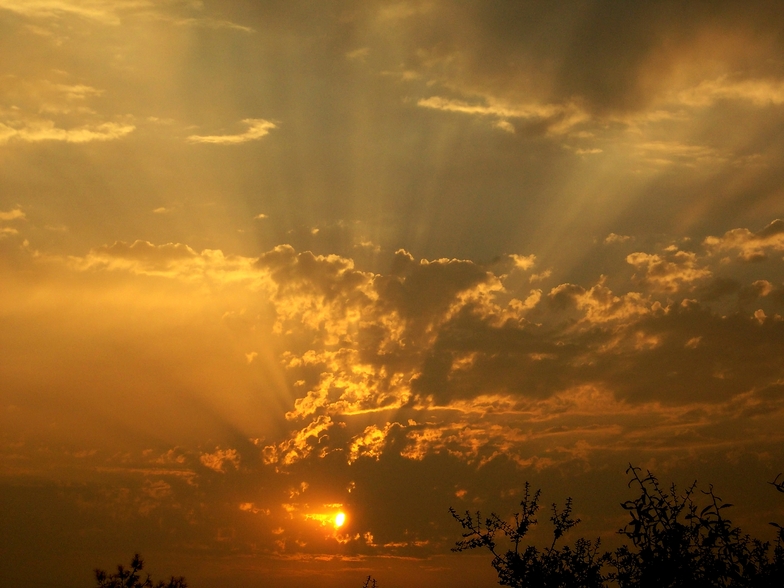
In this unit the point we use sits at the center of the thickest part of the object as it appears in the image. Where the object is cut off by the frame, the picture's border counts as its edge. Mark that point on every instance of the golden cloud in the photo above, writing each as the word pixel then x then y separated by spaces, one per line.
pixel 257 128
pixel 45 130
pixel 750 246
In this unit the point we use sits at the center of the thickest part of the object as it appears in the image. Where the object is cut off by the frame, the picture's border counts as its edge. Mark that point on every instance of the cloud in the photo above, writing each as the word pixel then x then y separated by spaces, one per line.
pixel 358 54
pixel 450 357
pixel 103 11
pixel 504 125
pixel 111 12
pixel 760 92
pixel 670 271
pixel 301 445
pixel 458 347
pixel 370 443
pixel 560 118
pixel 750 246
pixel 541 276
pixel 213 23
pixel 174 260
pixel 14 214
pixel 523 262
pixel 612 238
pixel 218 459
pixel 258 128
pixel 599 304
pixel 45 130
pixel 674 152
pixel 77 91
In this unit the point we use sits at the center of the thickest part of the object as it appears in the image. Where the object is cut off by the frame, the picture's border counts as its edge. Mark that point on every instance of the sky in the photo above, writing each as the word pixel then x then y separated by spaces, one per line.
pixel 264 262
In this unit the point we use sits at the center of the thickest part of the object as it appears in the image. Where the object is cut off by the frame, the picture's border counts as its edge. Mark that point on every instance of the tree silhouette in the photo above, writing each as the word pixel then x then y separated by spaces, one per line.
pixel 518 567
pixel 131 577
pixel 675 543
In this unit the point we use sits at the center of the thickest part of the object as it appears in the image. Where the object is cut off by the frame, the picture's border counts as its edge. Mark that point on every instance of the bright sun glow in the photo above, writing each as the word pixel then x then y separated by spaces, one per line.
pixel 340 518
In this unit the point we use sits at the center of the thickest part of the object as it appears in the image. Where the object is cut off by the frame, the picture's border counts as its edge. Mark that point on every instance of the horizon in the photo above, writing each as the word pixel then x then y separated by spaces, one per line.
pixel 284 281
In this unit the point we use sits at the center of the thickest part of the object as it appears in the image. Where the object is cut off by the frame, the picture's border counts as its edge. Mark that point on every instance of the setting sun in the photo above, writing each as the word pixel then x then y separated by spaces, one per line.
pixel 340 519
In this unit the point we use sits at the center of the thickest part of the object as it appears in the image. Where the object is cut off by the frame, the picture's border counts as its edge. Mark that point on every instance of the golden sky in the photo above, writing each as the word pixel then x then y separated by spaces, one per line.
pixel 264 262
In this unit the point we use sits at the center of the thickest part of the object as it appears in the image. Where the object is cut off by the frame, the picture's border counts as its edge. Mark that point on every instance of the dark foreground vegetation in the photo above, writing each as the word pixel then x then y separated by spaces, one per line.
pixel 677 540
pixel 132 577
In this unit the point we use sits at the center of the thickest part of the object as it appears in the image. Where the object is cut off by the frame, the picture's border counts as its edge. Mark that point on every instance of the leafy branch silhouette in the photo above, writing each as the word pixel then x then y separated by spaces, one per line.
pixel 674 543
pixel 131 577
pixel 519 567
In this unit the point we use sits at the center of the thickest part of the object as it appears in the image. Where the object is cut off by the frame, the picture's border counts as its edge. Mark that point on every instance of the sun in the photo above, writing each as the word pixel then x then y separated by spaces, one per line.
pixel 340 519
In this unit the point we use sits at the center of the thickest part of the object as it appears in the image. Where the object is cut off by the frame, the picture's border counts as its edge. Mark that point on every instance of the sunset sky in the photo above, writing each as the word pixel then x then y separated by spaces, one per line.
pixel 268 261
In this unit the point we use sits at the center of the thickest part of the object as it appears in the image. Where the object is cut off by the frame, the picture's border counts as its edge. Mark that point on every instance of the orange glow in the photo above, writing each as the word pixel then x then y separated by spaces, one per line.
pixel 340 520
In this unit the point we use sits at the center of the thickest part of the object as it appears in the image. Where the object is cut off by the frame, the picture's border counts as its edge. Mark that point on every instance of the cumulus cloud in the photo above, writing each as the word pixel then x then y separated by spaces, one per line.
pixel 523 262
pixel 612 238
pixel 301 445
pixel 447 357
pixel 670 271
pixel 750 246
pixel 436 337
pixel 219 459
pixel 370 443
pixel 257 128
pixel 599 304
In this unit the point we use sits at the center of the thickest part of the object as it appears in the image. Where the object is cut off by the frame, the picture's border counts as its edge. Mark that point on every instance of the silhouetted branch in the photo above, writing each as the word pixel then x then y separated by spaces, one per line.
pixel 131 578
pixel 674 543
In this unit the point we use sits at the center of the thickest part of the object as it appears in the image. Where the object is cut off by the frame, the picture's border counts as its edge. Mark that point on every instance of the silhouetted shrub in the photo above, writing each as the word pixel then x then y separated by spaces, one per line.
pixel 519 566
pixel 131 577
pixel 675 543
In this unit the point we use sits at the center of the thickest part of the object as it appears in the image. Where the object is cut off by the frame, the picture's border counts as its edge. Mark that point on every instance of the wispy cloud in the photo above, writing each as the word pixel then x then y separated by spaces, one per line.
pixel 760 92
pixel 46 130
pixel 561 118
pixel 258 128
pixel 174 260
pixel 14 214
pixel 358 54
pixel 212 23
pixel 103 11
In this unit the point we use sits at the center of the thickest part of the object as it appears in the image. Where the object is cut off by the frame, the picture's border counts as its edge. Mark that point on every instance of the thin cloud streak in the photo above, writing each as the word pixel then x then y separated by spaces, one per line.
pixel 258 128
pixel 46 130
